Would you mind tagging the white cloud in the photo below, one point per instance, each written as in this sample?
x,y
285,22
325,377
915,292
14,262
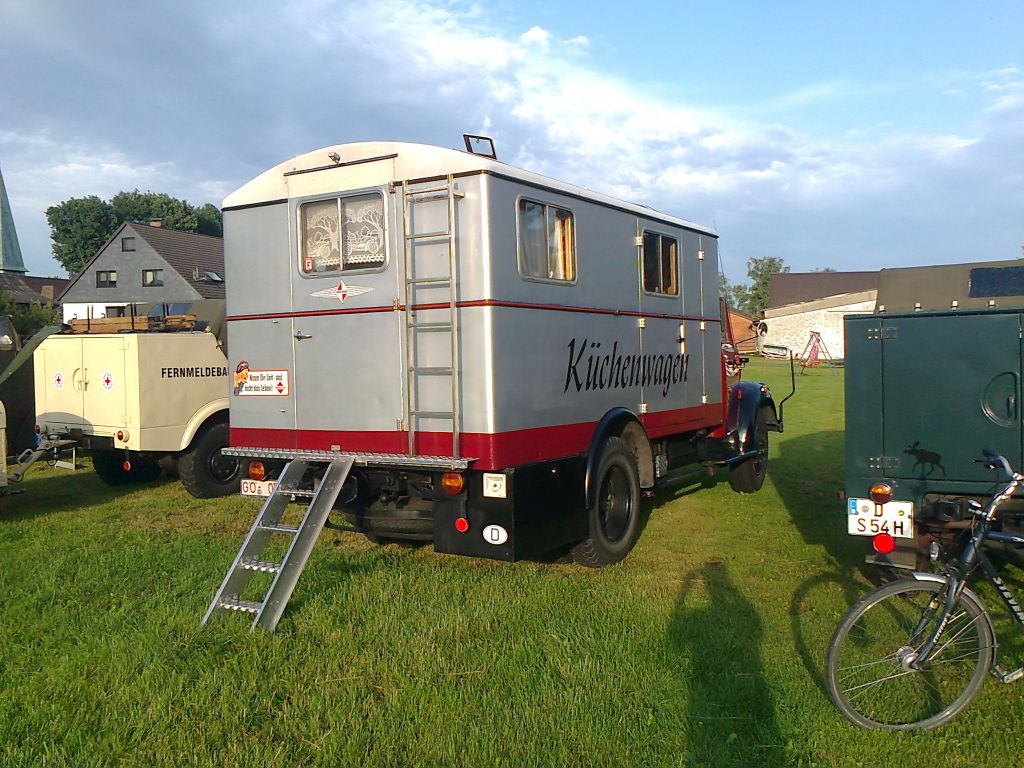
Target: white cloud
x,y
261,82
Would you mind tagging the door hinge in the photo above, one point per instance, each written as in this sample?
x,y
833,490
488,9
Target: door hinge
x,y
641,322
643,407
703,325
882,332
400,425
883,462
700,255
638,240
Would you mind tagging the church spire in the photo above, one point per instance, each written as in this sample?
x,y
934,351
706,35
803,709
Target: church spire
x,y
10,250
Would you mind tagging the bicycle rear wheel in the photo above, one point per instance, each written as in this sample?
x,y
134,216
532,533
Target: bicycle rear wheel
x,y
867,668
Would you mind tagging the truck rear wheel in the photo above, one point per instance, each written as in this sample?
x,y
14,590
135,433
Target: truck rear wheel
x,y
206,472
614,517
748,476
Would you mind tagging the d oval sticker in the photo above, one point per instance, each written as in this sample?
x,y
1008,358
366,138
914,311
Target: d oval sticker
x,y
495,534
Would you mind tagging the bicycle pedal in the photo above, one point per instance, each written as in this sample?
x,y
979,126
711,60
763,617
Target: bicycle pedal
x,y
1007,677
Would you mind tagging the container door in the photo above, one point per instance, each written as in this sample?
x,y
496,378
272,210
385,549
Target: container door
x,y
951,385
62,388
669,342
346,332
105,385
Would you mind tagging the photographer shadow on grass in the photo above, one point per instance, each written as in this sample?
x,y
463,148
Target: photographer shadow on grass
x,y
809,476
717,633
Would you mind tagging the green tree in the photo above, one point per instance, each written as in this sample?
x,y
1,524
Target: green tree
x,y
28,319
210,221
754,298
79,226
143,206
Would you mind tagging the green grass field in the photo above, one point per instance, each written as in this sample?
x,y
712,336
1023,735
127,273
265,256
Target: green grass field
x,y
704,648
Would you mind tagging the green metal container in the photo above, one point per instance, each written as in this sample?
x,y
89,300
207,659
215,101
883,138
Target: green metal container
x,y
925,392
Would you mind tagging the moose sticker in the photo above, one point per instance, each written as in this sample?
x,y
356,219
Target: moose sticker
x,y
928,461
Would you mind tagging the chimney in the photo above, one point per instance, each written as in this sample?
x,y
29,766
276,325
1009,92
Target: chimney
x,y
158,223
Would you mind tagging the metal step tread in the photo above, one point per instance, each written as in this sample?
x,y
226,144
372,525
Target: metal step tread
x,y
427,235
432,414
425,461
235,604
280,528
432,370
290,491
431,326
263,566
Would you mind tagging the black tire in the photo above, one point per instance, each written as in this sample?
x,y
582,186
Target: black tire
x,y
867,667
144,470
614,518
204,471
748,476
109,466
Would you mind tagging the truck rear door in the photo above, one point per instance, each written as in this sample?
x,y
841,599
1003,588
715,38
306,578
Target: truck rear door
x,y
346,332
950,385
105,385
60,389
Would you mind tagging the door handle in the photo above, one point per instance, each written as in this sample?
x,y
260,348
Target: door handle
x,y
299,336
1011,406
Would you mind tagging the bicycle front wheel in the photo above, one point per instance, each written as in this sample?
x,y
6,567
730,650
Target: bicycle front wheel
x,y
868,667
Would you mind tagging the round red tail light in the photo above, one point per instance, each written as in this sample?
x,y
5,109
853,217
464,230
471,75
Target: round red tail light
x,y
127,466
883,543
452,482
257,471
881,493
461,524
122,436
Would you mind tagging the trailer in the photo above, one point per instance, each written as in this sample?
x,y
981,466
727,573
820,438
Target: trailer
x,y
142,394
926,390
478,356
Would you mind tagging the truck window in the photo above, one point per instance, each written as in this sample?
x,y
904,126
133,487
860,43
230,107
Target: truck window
x,y
547,242
342,234
660,264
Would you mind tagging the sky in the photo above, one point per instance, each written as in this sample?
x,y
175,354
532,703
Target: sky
x,y
851,136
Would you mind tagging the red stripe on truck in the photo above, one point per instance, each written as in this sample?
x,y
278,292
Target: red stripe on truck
x,y
492,451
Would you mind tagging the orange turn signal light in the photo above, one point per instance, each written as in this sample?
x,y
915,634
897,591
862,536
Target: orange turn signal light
x,y
257,471
881,493
453,483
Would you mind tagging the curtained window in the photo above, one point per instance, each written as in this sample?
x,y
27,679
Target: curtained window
x,y
547,242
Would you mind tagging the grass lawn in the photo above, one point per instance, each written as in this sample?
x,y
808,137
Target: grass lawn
x,y
704,648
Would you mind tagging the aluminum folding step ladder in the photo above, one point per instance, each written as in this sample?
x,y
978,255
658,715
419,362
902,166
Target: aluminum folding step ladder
x,y
265,528
412,195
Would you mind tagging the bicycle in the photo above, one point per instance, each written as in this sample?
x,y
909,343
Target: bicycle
x,y
913,653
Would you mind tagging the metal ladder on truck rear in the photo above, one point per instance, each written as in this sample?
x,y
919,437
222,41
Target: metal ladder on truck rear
x,y
414,194
321,496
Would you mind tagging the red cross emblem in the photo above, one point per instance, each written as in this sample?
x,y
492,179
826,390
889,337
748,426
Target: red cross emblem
x,y
58,380
106,379
280,387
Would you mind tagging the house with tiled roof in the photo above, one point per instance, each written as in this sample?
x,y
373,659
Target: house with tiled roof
x,y
145,263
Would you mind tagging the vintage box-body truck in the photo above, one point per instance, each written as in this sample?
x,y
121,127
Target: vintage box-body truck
x,y
509,360
925,392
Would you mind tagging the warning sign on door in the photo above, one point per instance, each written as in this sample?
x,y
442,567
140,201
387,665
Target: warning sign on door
x,y
263,383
